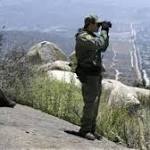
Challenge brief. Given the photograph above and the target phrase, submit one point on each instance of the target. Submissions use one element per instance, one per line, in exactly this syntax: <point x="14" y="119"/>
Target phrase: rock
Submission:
<point x="45" y="52"/>
<point x="57" y="65"/>
<point x="26" y="128"/>
<point x="5" y="101"/>
<point x="64" y="76"/>
<point x="120" y="94"/>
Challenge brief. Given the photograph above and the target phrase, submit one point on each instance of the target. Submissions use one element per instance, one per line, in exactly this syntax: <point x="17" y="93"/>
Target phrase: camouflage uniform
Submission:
<point x="88" y="50"/>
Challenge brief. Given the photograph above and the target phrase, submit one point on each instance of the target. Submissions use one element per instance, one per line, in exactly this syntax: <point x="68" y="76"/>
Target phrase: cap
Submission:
<point x="91" y="19"/>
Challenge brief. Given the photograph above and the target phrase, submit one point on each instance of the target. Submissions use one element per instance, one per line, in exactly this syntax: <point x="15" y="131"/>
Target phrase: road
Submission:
<point x="134" y="55"/>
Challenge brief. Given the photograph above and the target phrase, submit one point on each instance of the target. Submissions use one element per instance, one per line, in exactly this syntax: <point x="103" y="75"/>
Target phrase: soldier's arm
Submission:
<point x="103" y="41"/>
<point x="96" y="43"/>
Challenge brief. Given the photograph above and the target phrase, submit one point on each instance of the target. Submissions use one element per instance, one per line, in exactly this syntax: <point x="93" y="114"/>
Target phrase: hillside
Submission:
<point x="24" y="81"/>
<point x="26" y="128"/>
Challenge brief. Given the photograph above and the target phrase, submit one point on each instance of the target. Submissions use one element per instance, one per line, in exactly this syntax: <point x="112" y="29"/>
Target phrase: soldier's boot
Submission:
<point x="97" y="136"/>
<point x="88" y="136"/>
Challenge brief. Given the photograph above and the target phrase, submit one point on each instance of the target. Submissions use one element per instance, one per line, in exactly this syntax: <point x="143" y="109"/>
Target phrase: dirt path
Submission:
<point x="26" y="128"/>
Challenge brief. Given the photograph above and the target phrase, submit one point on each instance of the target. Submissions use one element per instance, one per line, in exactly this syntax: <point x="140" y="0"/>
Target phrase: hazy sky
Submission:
<point x="46" y="13"/>
<point x="66" y="2"/>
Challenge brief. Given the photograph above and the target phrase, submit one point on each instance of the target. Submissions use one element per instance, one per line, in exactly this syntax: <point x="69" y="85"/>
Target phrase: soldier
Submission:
<point x="88" y="50"/>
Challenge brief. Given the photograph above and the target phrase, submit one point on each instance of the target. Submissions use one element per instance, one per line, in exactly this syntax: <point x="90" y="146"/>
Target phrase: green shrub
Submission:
<point x="56" y="98"/>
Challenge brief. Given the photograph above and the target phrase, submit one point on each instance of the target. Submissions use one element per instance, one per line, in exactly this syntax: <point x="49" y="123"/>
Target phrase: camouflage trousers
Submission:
<point x="91" y="91"/>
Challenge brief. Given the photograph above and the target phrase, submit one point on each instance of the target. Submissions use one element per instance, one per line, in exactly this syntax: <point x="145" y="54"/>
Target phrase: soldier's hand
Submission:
<point x="106" y="25"/>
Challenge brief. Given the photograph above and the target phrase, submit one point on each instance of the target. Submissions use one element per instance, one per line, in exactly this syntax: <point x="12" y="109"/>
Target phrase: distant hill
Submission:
<point x="23" y="40"/>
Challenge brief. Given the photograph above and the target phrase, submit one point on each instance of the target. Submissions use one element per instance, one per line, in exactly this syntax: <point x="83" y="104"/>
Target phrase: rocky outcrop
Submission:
<point x="56" y="65"/>
<point x="45" y="52"/>
<point x="26" y="128"/>
<point x="120" y="94"/>
<point x="64" y="76"/>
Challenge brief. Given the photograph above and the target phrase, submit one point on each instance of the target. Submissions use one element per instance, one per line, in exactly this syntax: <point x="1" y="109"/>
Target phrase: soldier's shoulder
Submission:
<point x="86" y="35"/>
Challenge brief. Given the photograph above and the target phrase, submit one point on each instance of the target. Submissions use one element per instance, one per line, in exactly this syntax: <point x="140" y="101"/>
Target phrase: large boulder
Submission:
<point x="45" y="52"/>
<point x="64" y="76"/>
<point x="56" y="65"/>
<point x="120" y="94"/>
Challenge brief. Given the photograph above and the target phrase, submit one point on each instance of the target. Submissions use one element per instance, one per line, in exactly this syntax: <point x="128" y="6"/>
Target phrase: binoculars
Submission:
<point x="105" y="23"/>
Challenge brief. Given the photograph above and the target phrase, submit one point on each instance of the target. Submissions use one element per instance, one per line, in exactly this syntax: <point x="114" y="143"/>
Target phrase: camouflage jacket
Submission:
<point x="89" y="46"/>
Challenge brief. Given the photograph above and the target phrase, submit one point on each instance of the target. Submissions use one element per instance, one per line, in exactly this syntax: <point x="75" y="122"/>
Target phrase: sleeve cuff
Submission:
<point x="103" y="33"/>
